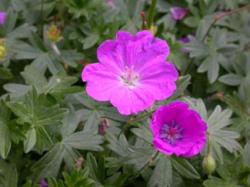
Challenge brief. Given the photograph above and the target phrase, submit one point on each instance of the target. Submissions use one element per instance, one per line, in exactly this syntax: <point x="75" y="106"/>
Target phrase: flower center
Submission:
<point x="129" y="77"/>
<point x="171" y="133"/>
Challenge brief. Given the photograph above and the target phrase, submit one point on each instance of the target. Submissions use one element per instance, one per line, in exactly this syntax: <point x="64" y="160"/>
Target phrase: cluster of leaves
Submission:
<point x="48" y="123"/>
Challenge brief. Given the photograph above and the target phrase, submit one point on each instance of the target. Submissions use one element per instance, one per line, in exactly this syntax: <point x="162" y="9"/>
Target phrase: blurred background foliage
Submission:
<point x="50" y="129"/>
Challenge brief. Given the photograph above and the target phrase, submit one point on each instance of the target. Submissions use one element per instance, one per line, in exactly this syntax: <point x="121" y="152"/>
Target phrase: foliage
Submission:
<point x="50" y="128"/>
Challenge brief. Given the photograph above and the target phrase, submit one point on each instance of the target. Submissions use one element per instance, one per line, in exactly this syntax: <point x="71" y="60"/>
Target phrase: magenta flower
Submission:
<point x="184" y="40"/>
<point x="178" y="13"/>
<point x="43" y="183"/>
<point x="111" y="4"/>
<point x="132" y="72"/>
<point x="3" y="16"/>
<point x="178" y="130"/>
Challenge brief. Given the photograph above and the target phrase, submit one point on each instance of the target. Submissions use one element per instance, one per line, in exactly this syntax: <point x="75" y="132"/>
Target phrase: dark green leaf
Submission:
<point x="184" y="168"/>
<point x="5" y="139"/>
<point x="162" y="174"/>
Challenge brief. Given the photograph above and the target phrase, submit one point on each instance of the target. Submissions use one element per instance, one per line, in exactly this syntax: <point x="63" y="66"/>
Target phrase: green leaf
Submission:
<point x="49" y="164"/>
<point x="34" y="77"/>
<point x="196" y="48"/>
<point x="60" y="84"/>
<point x="184" y="168"/>
<point x="52" y="182"/>
<point x="213" y="70"/>
<point x="231" y="79"/>
<point x="96" y="169"/>
<point x="44" y="141"/>
<point x="90" y="40"/>
<point x="5" y="138"/>
<point x="93" y="121"/>
<point x="85" y="140"/>
<point x="22" y="50"/>
<point x="136" y="155"/>
<point x="143" y="133"/>
<point x="182" y="84"/>
<point x="211" y="66"/>
<point x="78" y="178"/>
<point x="22" y="31"/>
<point x="111" y="113"/>
<point x="85" y="100"/>
<point x="204" y="25"/>
<point x="8" y="174"/>
<point x="192" y="21"/>
<point x="33" y="110"/>
<point x="246" y="154"/>
<point x="5" y="73"/>
<point x="30" y="140"/>
<point x="162" y="174"/>
<point x="218" y="120"/>
<point x="70" y="123"/>
<point x="16" y="90"/>
<point x="214" y="181"/>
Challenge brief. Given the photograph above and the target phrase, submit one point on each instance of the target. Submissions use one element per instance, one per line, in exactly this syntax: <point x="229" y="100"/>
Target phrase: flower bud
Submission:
<point x="3" y="16"/>
<point x="153" y="29"/>
<point x="3" y="50"/>
<point x="178" y="13"/>
<point x="209" y="164"/>
<point x="54" y="33"/>
<point x="103" y="126"/>
<point x="79" y="163"/>
<point x="43" y="183"/>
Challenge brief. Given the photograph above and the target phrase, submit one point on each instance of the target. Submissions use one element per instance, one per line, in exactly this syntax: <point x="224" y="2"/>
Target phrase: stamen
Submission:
<point x="171" y="133"/>
<point x="129" y="78"/>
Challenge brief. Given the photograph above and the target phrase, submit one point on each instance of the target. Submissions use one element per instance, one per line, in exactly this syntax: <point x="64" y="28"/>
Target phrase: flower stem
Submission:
<point x="58" y="52"/>
<point x="151" y="13"/>
<point x="222" y="15"/>
<point x="42" y="17"/>
<point x="216" y="19"/>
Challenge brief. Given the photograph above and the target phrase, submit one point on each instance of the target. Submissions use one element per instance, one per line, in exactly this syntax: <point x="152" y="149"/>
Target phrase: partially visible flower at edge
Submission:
<point x="111" y="4"/>
<point x="43" y="183"/>
<point x="3" y="16"/>
<point x="178" y="130"/>
<point x="132" y="72"/>
<point x="178" y="13"/>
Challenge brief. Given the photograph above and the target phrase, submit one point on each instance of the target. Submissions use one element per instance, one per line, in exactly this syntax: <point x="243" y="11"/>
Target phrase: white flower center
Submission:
<point x="129" y="78"/>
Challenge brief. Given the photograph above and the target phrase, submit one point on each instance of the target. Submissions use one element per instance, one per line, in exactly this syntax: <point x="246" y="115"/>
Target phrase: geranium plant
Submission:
<point x="123" y="93"/>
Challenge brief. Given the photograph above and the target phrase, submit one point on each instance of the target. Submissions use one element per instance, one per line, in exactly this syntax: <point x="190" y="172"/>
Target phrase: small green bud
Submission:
<point x="209" y="164"/>
<point x="3" y="50"/>
<point x="153" y="29"/>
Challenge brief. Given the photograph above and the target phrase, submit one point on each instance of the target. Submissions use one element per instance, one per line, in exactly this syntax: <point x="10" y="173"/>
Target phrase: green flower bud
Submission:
<point x="209" y="164"/>
<point x="3" y="49"/>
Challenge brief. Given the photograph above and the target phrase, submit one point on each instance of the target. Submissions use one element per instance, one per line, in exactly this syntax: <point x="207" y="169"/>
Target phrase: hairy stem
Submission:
<point x="151" y="13"/>
<point x="223" y="15"/>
